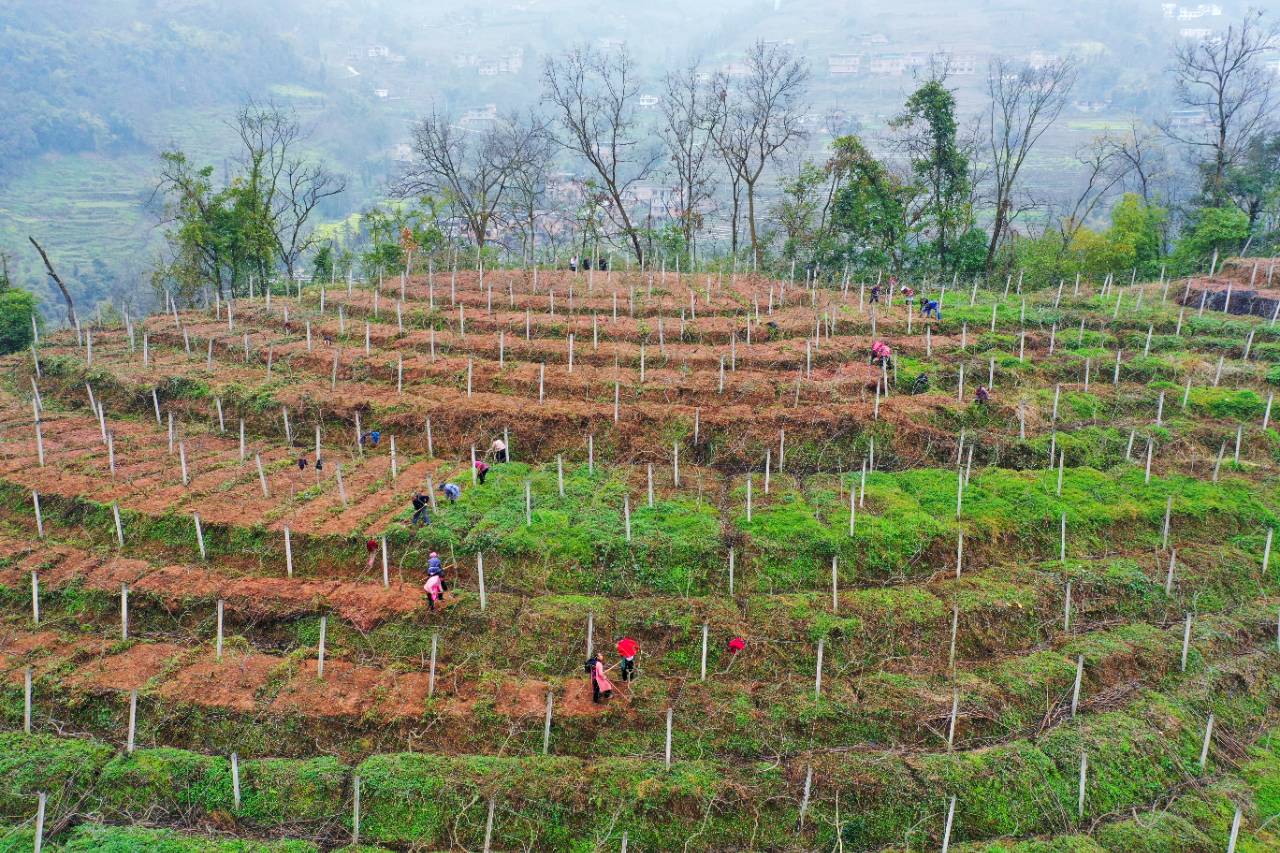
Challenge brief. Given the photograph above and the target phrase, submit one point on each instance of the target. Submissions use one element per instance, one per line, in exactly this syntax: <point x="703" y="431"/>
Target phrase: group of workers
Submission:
<point x="601" y="264"/>
<point x="602" y="687"/>
<point x="928" y="307"/>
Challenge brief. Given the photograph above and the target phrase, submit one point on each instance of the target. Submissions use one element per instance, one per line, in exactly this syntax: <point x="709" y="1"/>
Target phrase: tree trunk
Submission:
<point x="751" y="222"/>
<point x="71" y="308"/>
<point x="996" y="228"/>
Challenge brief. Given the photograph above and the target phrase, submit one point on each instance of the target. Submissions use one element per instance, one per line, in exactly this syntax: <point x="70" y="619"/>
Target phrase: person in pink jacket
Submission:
<point x="880" y="353"/>
<point x="601" y="687"/>
<point x="435" y="590"/>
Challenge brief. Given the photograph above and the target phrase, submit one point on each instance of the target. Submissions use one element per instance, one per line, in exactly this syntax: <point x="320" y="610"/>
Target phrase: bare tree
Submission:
<point x="66" y="294"/>
<point x="1105" y="168"/>
<point x="285" y="187"/>
<point x="593" y="94"/>
<point x="526" y="196"/>
<point x="1226" y="79"/>
<point x="1025" y="102"/>
<point x="1144" y="158"/>
<point x="472" y="170"/>
<point x="688" y="129"/>
<point x="760" y="117"/>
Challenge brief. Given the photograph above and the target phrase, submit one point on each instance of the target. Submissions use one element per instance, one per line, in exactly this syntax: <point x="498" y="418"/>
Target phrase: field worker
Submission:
<point x="420" y="504"/>
<point x="628" y="648"/>
<point x="875" y="293"/>
<point x="434" y="587"/>
<point x="319" y="464"/>
<point x="433" y="564"/>
<point x="982" y="396"/>
<point x="880" y="353"/>
<point x="601" y="687"/>
<point x="451" y="491"/>
<point x="736" y="645"/>
<point x="371" y="546"/>
<point x="931" y="309"/>
<point x="302" y="463"/>
<point x="482" y="470"/>
<point x="373" y="436"/>
<point x="498" y="450"/>
<point x="573" y="264"/>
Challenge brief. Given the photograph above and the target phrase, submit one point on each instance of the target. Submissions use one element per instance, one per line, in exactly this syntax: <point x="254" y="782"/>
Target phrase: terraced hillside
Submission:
<point x="1046" y="622"/>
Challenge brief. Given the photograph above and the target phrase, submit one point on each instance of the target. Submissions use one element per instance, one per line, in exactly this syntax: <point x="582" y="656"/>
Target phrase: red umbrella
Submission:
<point x="628" y="647"/>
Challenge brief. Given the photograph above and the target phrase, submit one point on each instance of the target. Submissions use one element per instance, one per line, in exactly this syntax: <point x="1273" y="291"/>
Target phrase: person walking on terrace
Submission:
<point x="601" y="687"/>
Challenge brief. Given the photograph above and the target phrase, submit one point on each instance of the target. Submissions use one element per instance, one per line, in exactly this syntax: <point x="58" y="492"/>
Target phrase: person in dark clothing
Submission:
<point x="875" y="293"/>
<point x="921" y="384"/>
<point x="420" y="505"/>
<point x="983" y="396"/>
<point x="930" y="309"/>
<point x="302" y="463"/>
<point x="319" y="464"/>
<point x="602" y="265"/>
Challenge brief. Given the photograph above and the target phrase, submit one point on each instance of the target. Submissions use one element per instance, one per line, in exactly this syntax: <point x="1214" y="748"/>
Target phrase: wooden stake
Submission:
<point x="324" y="624"/>
<point x="817" y="676"/>
<point x="35" y="501"/>
<point x="667" y="752"/>
<point x="955" y="712"/>
<point x="40" y="808"/>
<point x="546" y="727"/>
<point x="431" y="673"/>
<point x="1186" y="643"/>
<point x="235" y="781"/>
<point x="1084" y="769"/>
<point x="133" y="720"/>
<point x="262" y="475"/>
<point x="1075" y="691"/>
<point x="705" y="630"/>
<point x="480" y="580"/>
<point x="1208" y="737"/>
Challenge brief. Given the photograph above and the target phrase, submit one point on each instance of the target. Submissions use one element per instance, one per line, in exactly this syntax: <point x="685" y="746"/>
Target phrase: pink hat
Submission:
<point x="434" y="554"/>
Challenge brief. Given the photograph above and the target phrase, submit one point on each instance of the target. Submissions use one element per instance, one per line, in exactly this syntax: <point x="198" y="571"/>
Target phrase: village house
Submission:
<point x="844" y="63"/>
